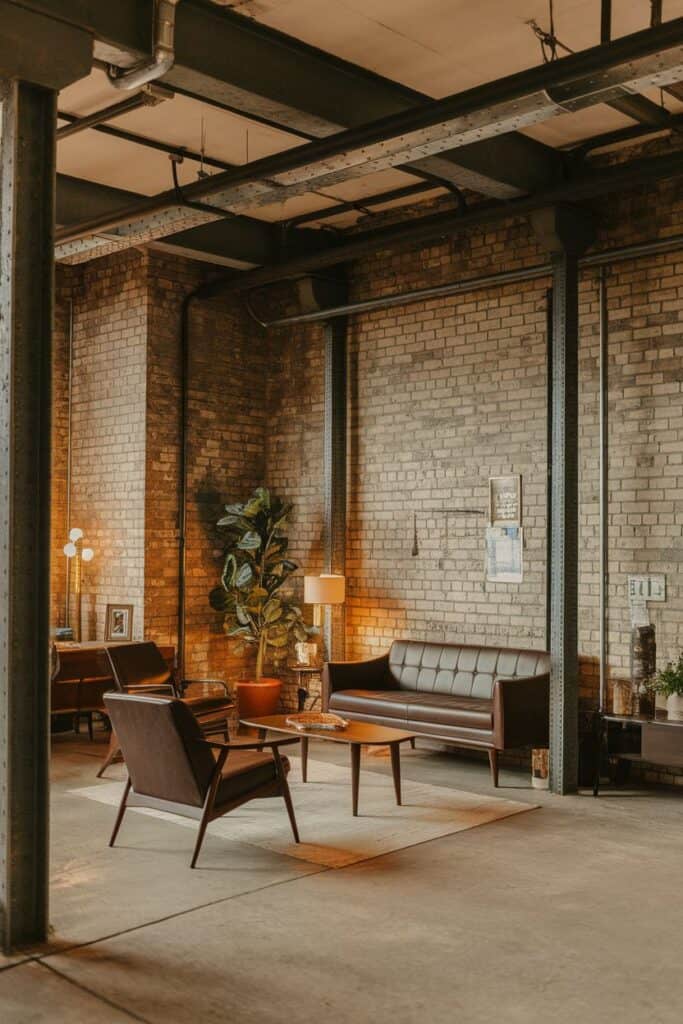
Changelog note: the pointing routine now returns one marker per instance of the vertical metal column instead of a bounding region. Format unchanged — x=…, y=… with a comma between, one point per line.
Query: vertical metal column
x=27, y=184
x=335, y=475
x=564, y=677
x=604, y=485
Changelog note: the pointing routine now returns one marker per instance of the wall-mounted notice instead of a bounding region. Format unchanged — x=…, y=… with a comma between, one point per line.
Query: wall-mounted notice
x=505, y=500
x=504, y=554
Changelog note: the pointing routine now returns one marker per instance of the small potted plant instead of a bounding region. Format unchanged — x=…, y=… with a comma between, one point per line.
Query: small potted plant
x=669, y=682
x=255, y=612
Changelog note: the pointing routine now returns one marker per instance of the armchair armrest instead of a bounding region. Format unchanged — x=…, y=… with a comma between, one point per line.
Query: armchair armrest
x=521, y=712
x=355, y=675
x=184, y=683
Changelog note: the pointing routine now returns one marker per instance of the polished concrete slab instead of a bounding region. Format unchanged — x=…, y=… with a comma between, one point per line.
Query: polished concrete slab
x=571, y=912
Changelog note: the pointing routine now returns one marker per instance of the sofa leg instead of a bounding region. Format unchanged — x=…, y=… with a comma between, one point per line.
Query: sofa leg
x=493, y=762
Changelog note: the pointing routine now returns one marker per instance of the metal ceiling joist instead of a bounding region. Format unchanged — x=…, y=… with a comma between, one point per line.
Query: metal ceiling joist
x=430, y=228
x=237, y=242
x=653, y=57
x=287, y=83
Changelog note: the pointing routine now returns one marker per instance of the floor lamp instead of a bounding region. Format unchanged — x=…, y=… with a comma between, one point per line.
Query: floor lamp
x=76, y=554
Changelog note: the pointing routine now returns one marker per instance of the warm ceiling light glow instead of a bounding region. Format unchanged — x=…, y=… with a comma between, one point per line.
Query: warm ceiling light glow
x=75, y=534
x=70, y=549
x=87, y=554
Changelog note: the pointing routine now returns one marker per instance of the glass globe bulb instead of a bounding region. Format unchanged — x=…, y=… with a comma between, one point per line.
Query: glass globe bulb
x=75, y=534
x=87, y=554
x=70, y=550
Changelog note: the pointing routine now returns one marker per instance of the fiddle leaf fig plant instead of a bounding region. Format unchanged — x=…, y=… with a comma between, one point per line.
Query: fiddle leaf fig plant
x=255, y=570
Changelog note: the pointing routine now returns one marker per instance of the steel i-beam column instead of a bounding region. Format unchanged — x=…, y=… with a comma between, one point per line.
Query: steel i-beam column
x=27, y=185
x=38, y=57
x=565, y=232
x=335, y=475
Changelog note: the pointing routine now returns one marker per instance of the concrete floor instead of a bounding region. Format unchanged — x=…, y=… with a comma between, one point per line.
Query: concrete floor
x=572, y=912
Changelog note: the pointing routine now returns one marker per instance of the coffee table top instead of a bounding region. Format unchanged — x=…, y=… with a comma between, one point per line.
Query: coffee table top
x=355, y=732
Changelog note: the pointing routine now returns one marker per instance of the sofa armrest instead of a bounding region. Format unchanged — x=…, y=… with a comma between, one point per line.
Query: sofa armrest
x=521, y=712
x=355, y=675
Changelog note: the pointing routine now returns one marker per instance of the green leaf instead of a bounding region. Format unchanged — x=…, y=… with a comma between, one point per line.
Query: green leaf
x=272, y=611
x=241, y=615
x=250, y=541
x=229, y=570
x=244, y=576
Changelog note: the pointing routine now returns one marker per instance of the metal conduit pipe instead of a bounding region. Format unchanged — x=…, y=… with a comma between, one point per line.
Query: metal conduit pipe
x=163, y=51
x=604, y=492
x=539, y=270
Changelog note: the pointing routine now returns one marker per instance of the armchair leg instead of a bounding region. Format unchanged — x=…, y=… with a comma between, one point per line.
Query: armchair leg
x=200, y=835
x=113, y=754
x=284, y=786
x=121, y=812
x=493, y=763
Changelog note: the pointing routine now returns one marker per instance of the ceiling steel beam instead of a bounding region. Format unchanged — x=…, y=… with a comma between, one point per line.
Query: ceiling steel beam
x=648, y=58
x=287, y=83
x=237, y=242
x=445, y=224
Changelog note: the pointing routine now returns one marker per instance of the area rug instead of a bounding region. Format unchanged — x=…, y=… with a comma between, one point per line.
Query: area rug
x=330, y=835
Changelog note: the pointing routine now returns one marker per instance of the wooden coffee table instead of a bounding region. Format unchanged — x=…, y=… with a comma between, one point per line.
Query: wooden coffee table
x=354, y=735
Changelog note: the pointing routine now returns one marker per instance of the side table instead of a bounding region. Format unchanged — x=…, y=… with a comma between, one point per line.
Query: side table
x=302, y=690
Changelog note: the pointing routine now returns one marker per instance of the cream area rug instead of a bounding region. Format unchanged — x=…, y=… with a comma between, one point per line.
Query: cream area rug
x=330, y=835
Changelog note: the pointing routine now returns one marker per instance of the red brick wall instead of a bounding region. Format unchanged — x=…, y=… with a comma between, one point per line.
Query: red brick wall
x=108, y=429
x=226, y=445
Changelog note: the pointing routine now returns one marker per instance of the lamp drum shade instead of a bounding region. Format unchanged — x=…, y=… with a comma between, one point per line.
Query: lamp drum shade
x=325, y=589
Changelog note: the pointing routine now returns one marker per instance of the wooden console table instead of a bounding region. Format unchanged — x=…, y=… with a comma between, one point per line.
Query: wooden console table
x=661, y=741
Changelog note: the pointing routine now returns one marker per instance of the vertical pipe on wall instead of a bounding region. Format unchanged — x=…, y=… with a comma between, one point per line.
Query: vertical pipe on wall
x=564, y=678
x=549, y=460
x=27, y=185
x=604, y=481
x=335, y=474
x=69, y=406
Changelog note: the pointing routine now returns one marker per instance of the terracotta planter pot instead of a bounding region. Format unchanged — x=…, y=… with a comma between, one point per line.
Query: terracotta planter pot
x=257, y=699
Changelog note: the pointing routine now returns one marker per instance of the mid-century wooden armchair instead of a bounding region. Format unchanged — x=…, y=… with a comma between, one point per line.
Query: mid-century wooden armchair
x=140, y=668
x=172, y=767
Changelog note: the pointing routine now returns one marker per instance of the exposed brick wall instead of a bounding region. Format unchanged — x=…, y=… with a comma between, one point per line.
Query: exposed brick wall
x=449, y=392
x=226, y=452
x=443, y=395
x=126, y=443
x=108, y=428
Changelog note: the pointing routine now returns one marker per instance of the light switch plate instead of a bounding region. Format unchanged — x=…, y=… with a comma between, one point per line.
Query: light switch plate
x=647, y=588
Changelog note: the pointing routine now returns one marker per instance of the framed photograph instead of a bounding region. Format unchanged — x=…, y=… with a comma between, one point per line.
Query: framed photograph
x=505, y=500
x=119, y=622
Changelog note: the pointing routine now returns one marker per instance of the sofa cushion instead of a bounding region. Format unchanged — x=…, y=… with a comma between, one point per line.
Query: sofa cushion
x=456, y=670
x=387, y=703
x=439, y=709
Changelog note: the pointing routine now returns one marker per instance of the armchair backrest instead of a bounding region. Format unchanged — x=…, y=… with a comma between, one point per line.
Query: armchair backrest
x=162, y=746
x=138, y=665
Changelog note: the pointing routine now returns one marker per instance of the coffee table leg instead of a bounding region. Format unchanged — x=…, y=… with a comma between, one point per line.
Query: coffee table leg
x=304, y=758
x=395, y=749
x=355, y=775
x=262, y=733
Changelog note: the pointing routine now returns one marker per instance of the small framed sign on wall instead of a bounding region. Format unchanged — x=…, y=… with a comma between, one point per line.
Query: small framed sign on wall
x=505, y=500
x=118, y=623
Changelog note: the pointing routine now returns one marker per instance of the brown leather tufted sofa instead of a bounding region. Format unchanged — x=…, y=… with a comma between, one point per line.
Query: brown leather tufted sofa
x=495, y=698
